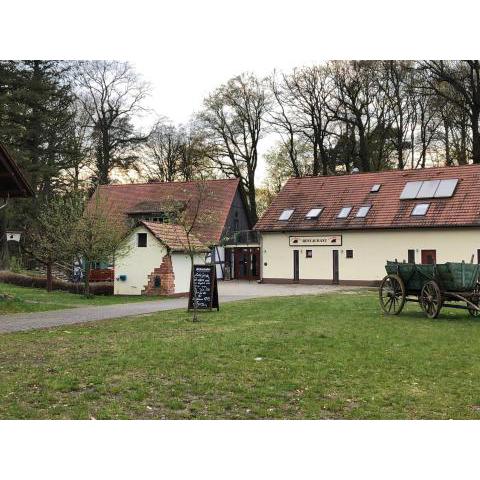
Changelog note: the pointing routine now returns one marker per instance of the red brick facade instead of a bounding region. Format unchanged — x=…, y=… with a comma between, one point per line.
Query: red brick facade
x=167, y=279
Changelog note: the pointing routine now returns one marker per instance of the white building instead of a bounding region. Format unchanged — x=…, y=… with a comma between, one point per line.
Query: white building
x=343, y=229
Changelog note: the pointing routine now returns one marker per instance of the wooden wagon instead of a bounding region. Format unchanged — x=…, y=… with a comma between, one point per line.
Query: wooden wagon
x=452, y=285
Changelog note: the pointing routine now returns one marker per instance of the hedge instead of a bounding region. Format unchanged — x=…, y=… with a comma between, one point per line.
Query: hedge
x=40, y=281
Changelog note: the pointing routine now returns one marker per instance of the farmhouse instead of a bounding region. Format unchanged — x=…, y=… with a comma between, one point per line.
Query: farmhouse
x=342, y=229
x=157, y=262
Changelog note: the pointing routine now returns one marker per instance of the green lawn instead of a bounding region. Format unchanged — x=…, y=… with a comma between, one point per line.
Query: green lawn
x=330, y=356
x=37, y=299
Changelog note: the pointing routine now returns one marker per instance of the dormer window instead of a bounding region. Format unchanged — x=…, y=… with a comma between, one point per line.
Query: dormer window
x=313, y=213
x=375, y=188
x=344, y=212
x=420, y=209
x=285, y=215
x=363, y=211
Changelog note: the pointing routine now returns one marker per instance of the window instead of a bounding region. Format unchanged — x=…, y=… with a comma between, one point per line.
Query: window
x=363, y=211
x=286, y=214
x=344, y=212
x=349, y=253
x=411, y=256
x=420, y=209
x=375, y=188
x=308, y=253
x=141, y=239
x=313, y=213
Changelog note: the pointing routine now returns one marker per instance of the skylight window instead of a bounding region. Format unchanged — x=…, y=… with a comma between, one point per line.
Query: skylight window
x=420, y=209
x=375, y=188
x=363, y=211
x=344, y=212
x=428, y=189
x=314, y=213
x=286, y=214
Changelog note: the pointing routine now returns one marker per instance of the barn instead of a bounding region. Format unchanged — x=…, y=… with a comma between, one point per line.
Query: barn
x=143, y=207
x=342, y=229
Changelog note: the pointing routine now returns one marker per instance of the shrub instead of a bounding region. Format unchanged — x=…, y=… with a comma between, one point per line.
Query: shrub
x=40, y=281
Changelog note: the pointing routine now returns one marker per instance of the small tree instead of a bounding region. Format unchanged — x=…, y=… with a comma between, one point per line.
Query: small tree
x=189, y=216
x=98, y=236
x=49, y=238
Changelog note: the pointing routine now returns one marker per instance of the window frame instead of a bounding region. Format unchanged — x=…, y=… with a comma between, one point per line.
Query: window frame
x=291, y=210
x=368, y=207
x=349, y=211
x=309, y=253
x=349, y=253
x=142, y=235
x=313, y=217
x=418, y=205
x=376, y=188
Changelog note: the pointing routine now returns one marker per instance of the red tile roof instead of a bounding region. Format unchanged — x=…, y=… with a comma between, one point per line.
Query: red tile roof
x=174, y=237
x=122, y=199
x=387, y=210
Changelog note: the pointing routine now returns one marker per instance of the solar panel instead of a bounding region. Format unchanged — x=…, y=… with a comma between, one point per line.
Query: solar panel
x=313, y=213
x=446, y=188
x=410, y=190
x=428, y=189
x=286, y=214
x=344, y=212
x=375, y=188
x=363, y=211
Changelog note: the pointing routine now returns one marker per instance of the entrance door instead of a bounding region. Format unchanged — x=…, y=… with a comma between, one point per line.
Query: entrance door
x=296, y=266
x=335, y=267
x=247, y=263
x=429, y=256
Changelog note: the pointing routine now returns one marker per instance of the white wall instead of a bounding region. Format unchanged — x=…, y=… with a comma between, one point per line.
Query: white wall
x=137, y=264
x=371, y=250
x=182, y=269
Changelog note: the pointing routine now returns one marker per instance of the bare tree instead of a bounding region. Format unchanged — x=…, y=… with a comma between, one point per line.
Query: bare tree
x=459, y=82
x=111, y=94
x=232, y=116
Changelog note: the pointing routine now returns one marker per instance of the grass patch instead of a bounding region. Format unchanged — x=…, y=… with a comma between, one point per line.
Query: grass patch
x=36, y=299
x=328, y=356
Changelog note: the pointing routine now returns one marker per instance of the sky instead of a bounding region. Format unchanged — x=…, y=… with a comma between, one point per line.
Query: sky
x=186, y=48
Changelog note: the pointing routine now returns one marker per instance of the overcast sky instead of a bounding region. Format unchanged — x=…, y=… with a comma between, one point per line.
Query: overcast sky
x=187, y=48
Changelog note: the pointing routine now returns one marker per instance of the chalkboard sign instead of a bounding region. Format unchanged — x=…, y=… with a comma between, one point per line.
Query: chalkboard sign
x=204, y=279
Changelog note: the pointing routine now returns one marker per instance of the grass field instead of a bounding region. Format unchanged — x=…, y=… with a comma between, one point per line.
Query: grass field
x=330, y=356
x=38, y=300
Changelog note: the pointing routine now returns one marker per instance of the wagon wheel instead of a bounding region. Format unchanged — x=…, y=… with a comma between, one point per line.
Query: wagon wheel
x=392, y=294
x=431, y=299
x=475, y=299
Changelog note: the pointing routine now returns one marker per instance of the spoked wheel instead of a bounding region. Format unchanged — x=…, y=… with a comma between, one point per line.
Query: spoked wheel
x=475, y=299
x=392, y=294
x=431, y=299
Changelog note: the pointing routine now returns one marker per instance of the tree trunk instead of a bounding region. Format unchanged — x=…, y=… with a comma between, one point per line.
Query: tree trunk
x=448, y=158
x=49, y=277
x=252, y=198
x=475, y=135
x=86, y=290
x=363, y=150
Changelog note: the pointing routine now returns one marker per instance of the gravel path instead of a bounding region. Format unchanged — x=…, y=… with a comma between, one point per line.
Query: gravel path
x=229, y=292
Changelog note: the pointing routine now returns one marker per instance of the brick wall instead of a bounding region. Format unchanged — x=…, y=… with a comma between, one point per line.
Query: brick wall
x=167, y=279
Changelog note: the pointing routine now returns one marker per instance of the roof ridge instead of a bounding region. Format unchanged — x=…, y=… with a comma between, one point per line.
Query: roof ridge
x=170, y=183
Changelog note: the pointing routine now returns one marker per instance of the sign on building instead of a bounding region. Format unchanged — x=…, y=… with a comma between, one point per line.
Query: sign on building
x=13, y=236
x=315, y=241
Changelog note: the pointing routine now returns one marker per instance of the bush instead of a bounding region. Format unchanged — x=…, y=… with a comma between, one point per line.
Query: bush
x=40, y=281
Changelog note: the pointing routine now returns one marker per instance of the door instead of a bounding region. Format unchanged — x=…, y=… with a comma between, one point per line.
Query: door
x=429, y=257
x=335, y=267
x=247, y=263
x=296, y=266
